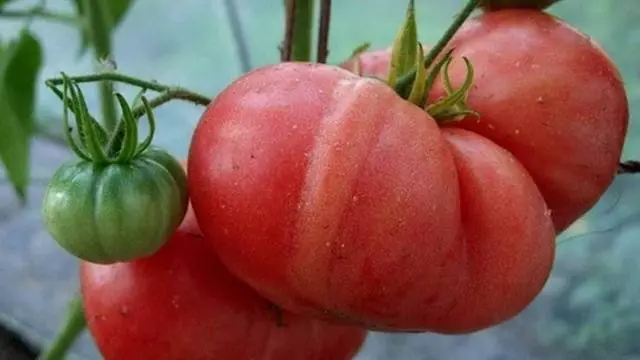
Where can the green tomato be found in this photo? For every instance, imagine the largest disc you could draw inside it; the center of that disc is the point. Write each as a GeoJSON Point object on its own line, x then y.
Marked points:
{"type": "Point", "coordinates": [106, 213]}
{"type": "Point", "coordinates": [493, 5]}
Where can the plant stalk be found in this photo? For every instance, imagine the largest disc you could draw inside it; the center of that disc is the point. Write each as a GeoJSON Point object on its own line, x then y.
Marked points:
{"type": "Point", "coordinates": [323, 31]}
{"type": "Point", "coordinates": [98, 22]}
{"type": "Point", "coordinates": [298, 30]}
{"type": "Point", "coordinates": [184, 94]}
{"type": "Point", "coordinates": [73, 326]}
{"type": "Point", "coordinates": [629, 167]}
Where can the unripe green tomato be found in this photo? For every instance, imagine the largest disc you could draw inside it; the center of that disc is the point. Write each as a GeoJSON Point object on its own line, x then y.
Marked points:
{"type": "Point", "coordinates": [116, 212]}
{"type": "Point", "coordinates": [492, 5]}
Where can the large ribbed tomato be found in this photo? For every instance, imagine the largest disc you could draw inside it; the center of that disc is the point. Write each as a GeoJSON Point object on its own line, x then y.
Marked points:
{"type": "Point", "coordinates": [552, 97]}
{"type": "Point", "coordinates": [181, 303]}
{"type": "Point", "coordinates": [331, 195]}
{"type": "Point", "coordinates": [545, 92]}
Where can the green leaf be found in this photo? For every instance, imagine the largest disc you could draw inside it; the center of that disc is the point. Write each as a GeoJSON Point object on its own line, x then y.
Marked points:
{"type": "Point", "coordinates": [20, 64]}
{"type": "Point", "coordinates": [116, 8]}
{"type": "Point", "coordinates": [403, 53]}
{"type": "Point", "coordinates": [20, 76]}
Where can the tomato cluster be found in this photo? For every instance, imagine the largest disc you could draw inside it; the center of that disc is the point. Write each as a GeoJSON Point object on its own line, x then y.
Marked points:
{"type": "Point", "coordinates": [333, 196]}
{"type": "Point", "coordinates": [325, 204]}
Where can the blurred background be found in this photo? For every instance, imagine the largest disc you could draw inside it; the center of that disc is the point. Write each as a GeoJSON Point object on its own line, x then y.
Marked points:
{"type": "Point", "coordinates": [590, 308]}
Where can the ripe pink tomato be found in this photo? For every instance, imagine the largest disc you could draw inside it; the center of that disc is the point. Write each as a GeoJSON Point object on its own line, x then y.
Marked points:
{"type": "Point", "coordinates": [550, 96]}
{"type": "Point", "coordinates": [545, 92]}
{"type": "Point", "coordinates": [332, 196]}
{"type": "Point", "coordinates": [181, 303]}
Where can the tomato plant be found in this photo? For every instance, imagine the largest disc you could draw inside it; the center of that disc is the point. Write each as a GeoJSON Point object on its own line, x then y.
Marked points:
{"type": "Point", "coordinates": [409, 189]}
{"type": "Point", "coordinates": [181, 303]}
{"type": "Point", "coordinates": [108, 207]}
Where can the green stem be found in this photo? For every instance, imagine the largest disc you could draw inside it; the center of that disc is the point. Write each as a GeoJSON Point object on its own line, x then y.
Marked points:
{"type": "Point", "coordinates": [73, 326]}
{"type": "Point", "coordinates": [302, 31]}
{"type": "Point", "coordinates": [168, 92]}
{"type": "Point", "coordinates": [172, 94]}
{"type": "Point", "coordinates": [435, 51]}
{"type": "Point", "coordinates": [41, 13]}
{"type": "Point", "coordinates": [133, 81]}
{"type": "Point", "coordinates": [99, 29]}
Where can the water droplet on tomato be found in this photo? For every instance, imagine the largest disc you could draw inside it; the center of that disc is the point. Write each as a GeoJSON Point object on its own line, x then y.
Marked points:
{"type": "Point", "coordinates": [175, 301]}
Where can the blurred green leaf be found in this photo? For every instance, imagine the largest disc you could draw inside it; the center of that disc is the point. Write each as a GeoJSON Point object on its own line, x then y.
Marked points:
{"type": "Point", "coordinates": [4, 2]}
{"type": "Point", "coordinates": [20, 63]}
{"type": "Point", "coordinates": [116, 8]}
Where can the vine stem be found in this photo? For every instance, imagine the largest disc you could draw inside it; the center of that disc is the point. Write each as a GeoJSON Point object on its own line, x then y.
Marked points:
{"type": "Point", "coordinates": [39, 12]}
{"type": "Point", "coordinates": [323, 32]}
{"type": "Point", "coordinates": [169, 92]}
{"type": "Point", "coordinates": [73, 326]}
{"type": "Point", "coordinates": [437, 49]}
{"type": "Point", "coordinates": [629, 167]}
{"type": "Point", "coordinates": [99, 25]}
{"type": "Point", "coordinates": [298, 25]}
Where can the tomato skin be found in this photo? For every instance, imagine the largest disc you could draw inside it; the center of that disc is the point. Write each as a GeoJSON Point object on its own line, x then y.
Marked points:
{"type": "Point", "coordinates": [550, 96]}
{"type": "Point", "coordinates": [116, 212]}
{"type": "Point", "coordinates": [181, 303]}
{"type": "Point", "coordinates": [494, 5]}
{"type": "Point", "coordinates": [332, 196]}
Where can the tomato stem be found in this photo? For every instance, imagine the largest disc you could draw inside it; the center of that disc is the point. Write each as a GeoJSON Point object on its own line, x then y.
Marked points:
{"type": "Point", "coordinates": [629, 167]}
{"type": "Point", "coordinates": [298, 25]}
{"type": "Point", "coordinates": [177, 92]}
{"type": "Point", "coordinates": [323, 32]}
{"type": "Point", "coordinates": [432, 55]}
{"type": "Point", "coordinates": [71, 329]}
{"type": "Point", "coordinates": [98, 24]}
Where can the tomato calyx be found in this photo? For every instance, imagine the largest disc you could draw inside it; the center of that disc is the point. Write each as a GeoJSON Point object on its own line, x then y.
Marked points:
{"type": "Point", "coordinates": [94, 145]}
{"type": "Point", "coordinates": [412, 74]}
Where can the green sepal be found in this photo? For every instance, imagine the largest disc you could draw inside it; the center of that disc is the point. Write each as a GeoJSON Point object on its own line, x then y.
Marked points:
{"type": "Point", "coordinates": [418, 94]}
{"type": "Point", "coordinates": [129, 143]}
{"type": "Point", "coordinates": [403, 50]}
{"type": "Point", "coordinates": [100, 130]}
{"type": "Point", "coordinates": [453, 107]}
